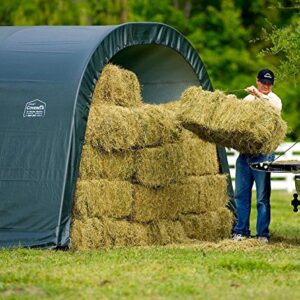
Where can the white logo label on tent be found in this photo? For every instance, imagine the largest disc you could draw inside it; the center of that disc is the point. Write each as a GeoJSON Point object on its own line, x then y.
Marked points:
{"type": "Point", "coordinates": [34, 109]}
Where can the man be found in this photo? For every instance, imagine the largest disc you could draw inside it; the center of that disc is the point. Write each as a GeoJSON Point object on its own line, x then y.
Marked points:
{"type": "Point", "coordinates": [245, 176]}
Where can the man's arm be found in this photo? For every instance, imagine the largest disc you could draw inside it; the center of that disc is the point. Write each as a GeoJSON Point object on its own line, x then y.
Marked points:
{"type": "Point", "coordinates": [271, 97]}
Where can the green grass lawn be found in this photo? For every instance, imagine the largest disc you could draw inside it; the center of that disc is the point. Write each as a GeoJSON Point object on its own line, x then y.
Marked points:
{"type": "Point", "coordinates": [224, 270]}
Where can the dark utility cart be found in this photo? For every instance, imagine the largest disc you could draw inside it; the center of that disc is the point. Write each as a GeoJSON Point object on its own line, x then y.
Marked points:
{"type": "Point", "coordinates": [283, 167]}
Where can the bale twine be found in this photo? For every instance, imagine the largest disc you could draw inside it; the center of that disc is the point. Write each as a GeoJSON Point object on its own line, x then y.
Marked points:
{"type": "Point", "coordinates": [117, 86]}
{"type": "Point", "coordinates": [251, 127]}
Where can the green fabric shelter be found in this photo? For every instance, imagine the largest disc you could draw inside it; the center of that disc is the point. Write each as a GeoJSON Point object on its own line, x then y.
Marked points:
{"type": "Point", "coordinates": [47, 78]}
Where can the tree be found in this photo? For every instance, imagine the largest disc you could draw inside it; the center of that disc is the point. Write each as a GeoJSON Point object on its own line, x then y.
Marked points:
{"type": "Point", "coordinates": [284, 45]}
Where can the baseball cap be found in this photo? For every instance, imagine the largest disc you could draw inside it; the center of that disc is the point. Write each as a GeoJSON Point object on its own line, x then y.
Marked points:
{"type": "Point", "coordinates": [266, 76]}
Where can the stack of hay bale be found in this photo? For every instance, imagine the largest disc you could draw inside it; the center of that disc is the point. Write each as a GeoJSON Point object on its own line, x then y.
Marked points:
{"type": "Point", "coordinates": [144, 179]}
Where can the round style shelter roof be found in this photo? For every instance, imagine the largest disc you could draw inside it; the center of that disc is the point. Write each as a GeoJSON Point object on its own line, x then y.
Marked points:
{"type": "Point", "coordinates": [47, 78]}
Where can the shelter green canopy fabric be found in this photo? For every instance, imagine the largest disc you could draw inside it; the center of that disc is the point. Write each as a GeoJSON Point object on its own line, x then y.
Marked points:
{"type": "Point", "coordinates": [47, 78]}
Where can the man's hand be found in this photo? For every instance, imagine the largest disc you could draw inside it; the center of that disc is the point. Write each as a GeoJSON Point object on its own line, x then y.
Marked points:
{"type": "Point", "coordinates": [253, 91]}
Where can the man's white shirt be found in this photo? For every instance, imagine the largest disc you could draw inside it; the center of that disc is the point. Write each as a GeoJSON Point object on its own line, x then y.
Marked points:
{"type": "Point", "coordinates": [272, 98]}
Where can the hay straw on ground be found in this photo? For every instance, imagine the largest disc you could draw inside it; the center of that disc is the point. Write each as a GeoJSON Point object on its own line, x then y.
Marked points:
{"type": "Point", "coordinates": [119, 128]}
{"type": "Point", "coordinates": [97, 164]}
{"type": "Point", "coordinates": [210, 226]}
{"type": "Point", "coordinates": [230, 245]}
{"type": "Point", "coordinates": [193, 195]}
{"type": "Point", "coordinates": [227, 244]}
{"type": "Point", "coordinates": [97, 198]}
{"type": "Point", "coordinates": [169, 163]}
{"type": "Point", "coordinates": [95, 233]}
{"type": "Point", "coordinates": [117, 86]}
{"type": "Point", "coordinates": [251, 127]}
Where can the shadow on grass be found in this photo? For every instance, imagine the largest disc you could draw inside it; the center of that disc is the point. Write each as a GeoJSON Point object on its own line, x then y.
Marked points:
{"type": "Point", "coordinates": [292, 241]}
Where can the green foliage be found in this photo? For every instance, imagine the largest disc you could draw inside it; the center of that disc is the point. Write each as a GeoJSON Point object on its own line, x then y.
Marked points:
{"type": "Point", "coordinates": [289, 90]}
{"type": "Point", "coordinates": [40, 12]}
{"type": "Point", "coordinates": [221, 41]}
{"type": "Point", "coordinates": [286, 44]}
{"type": "Point", "coordinates": [284, 49]}
{"type": "Point", "coordinates": [220, 30]}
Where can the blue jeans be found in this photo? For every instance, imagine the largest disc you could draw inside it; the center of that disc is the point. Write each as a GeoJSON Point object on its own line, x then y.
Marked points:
{"type": "Point", "coordinates": [244, 179]}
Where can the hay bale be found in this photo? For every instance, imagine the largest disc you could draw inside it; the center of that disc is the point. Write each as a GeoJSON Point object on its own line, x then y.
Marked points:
{"type": "Point", "coordinates": [171, 105]}
{"type": "Point", "coordinates": [97, 233]}
{"type": "Point", "coordinates": [256, 129]}
{"type": "Point", "coordinates": [155, 204]}
{"type": "Point", "coordinates": [125, 233]}
{"type": "Point", "coordinates": [163, 232]}
{"type": "Point", "coordinates": [119, 128]}
{"type": "Point", "coordinates": [97, 198]}
{"type": "Point", "coordinates": [157, 126]}
{"type": "Point", "coordinates": [89, 233]}
{"type": "Point", "coordinates": [169, 163]}
{"type": "Point", "coordinates": [226, 220]}
{"type": "Point", "coordinates": [112, 128]}
{"type": "Point", "coordinates": [97, 164]}
{"type": "Point", "coordinates": [117, 86]}
{"type": "Point", "coordinates": [201, 157]}
{"type": "Point", "coordinates": [209, 226]}
{"type": "Point", "coordinates": [204, 193]}
{"type": "Point", "coordinates": [199, 227]}
{"type": "Point", "coordinates": [160, 166]}
{"type": "Point", "coordinates": [193, 195]}
{"type": "Point", "coordinates": [204, 104]}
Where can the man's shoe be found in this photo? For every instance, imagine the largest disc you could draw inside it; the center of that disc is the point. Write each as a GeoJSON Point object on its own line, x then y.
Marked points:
{"type": "Point", "coordinates": [263, 239]}
{"type": "Point", "coordinates": [238, 237]}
